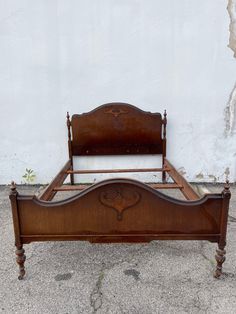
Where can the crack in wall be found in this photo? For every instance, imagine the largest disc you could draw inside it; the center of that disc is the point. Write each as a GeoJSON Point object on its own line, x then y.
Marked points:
{"type": "Point", "coordinates": [232, 26]}
{"type": "Point", "coordinates": [230, 113]}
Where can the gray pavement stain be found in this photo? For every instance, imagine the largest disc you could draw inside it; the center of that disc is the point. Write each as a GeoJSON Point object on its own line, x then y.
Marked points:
{"type": "Point", "coordinates": [61, 277]}
{"type": "Point", "coordinates": [132, 272]}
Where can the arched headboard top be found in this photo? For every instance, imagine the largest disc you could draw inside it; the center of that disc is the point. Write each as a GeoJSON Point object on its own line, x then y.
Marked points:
{"type": "Point", "coordinates": [117, 128]}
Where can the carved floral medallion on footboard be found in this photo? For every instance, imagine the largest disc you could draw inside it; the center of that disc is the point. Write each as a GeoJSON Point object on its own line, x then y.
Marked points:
{"type": "Point", "coordinates": [119, 199]}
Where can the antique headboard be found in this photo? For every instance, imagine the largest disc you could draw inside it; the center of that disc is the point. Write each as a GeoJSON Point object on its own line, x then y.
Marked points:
{"type": "Point", "coordinates": [116, 129]}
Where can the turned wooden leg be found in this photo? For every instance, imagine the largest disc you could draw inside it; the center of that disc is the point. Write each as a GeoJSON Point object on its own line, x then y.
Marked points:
{"type": "Point", "coordinates": [20, 259]}
{"type": "Point", "coordinates": [220, 258]}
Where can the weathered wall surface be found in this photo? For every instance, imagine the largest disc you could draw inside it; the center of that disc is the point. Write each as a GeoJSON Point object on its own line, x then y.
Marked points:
{"type": "Point", "coordinates": [74, 55]}
{"type": "Point", "coordinates": [232, 26]}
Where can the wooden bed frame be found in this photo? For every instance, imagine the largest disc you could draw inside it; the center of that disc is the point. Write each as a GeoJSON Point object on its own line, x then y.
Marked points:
{"type": "Point", "coordinates": [119, 210]}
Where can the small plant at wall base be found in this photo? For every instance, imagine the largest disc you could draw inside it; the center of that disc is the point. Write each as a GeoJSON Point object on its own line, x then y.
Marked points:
{"type": "Point", "coordinates": [29, 176]}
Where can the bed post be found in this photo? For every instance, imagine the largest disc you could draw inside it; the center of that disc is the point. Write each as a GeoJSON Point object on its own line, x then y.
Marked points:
{"type": "Point", "coordinates": [68, 122]}
{"type": "Point", "coordinates": [20, 256]}
{"type": "Point", "coordinates": [220, 252]}
{"type": "Point", "coordinates": [164, 122]}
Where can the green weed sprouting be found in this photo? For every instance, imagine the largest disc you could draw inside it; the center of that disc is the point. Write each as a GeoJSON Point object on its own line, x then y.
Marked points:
{"type": "Point", "coordinates": [29, 176]}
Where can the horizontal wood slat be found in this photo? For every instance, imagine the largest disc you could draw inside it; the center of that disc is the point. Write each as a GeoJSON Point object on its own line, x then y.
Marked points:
{"type": "Point", "coordinates": [116, 170]}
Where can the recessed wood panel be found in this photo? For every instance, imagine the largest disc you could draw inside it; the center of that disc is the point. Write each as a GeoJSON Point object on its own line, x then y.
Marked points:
{"type": "Point", "coordinates": [116, 128]}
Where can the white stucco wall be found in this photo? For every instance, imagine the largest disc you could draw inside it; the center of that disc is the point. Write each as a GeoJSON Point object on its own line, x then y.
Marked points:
{"type": "Point", "coordinates": [59, 55]}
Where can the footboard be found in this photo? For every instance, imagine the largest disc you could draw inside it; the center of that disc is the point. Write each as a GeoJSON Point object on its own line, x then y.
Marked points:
{"type": "Point", "coordinates": [120, 210]}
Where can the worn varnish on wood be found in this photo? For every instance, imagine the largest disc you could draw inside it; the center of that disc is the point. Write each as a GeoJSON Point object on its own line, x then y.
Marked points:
{"type": "Point", "coordinates": [119, 210]}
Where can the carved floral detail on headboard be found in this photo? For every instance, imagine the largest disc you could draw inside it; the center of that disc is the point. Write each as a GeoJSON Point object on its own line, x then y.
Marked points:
{"type": "Point", "coordinates": [115, 111]}
{"type": "Point", "coordinates": [119, 199]}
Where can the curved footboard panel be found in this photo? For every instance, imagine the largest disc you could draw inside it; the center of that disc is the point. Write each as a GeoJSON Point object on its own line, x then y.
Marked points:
{"type": "Point", "coordinates": [119, 210]}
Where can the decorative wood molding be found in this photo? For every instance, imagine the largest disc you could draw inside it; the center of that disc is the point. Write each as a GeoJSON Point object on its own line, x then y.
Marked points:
{"type": "Point", "coordinates": [119, 199]}
{"type": "Point", "coordinates": [115, 111]}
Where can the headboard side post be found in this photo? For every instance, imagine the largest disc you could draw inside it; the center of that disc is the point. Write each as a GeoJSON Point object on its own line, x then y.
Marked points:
{"type": "Point", "coordinates": [20, 256]}
{"type": "Point", "coordinates": [164, 123]}
{"type": "Point", "coordinates": [68, 122]}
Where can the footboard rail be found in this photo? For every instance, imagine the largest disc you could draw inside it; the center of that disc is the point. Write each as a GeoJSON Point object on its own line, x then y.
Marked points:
{"type": "Point", "coordinates": [120, 210]}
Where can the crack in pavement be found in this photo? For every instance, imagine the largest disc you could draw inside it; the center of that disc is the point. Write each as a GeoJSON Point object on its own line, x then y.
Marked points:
{"type": "Point", "coordinates": [96, 294]}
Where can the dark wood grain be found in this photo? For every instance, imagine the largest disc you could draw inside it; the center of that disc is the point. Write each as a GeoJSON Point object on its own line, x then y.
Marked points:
{"type": "Point", "coordinates": [117, 128]}
{"type": "Point", "coordinates": [117, 207]}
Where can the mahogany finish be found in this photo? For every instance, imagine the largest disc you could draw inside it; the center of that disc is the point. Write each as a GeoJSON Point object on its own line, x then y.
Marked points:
{"type": "Point", "coordinates": [117, 129]}
{"type": "Point", "coordinates": [119, 210]}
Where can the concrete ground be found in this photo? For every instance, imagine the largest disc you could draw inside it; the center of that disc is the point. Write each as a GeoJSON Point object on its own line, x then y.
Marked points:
{"type": "Point", "coordinates": [78, 277]}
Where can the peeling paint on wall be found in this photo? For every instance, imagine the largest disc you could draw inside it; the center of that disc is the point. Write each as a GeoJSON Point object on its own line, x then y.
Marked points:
{"type": "Point", "coordinates": [230, 113]}
{"type": "Point", "coordinates": [205, 177]}
{"type": "Point", "coordinates": [199, 176]}
{"type": "Point", "coordinates": [212, 178]}
{"type": "Point", "coordinates": [227, 173]}
{"type": "Point", "coordinates": [182, 171]}
{"type": "Point", "coordinates": [232, 26]}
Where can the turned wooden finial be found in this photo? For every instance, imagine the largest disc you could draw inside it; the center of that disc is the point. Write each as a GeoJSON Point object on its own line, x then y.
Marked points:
{"type": "Point", "coordinates": [165, 114]}
{"type": "Point", "coordinates": [68, 125]}
{"type": "Point", "coordinates": [226, 192]}
{"type": "Point", "coordinates": [13, 188]}
{"type": "Point", "coordinates": [68, 118]}
{"type": "Point", "coordinates": [164, 123]}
